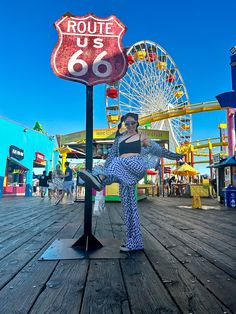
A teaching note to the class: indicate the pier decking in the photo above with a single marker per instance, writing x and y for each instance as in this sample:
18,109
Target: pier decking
188,266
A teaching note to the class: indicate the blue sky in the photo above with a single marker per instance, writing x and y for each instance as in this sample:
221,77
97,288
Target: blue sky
197,35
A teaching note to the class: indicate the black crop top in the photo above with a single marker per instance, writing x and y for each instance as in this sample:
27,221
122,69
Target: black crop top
130,147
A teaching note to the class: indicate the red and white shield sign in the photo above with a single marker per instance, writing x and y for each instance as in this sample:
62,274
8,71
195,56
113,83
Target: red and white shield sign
89,49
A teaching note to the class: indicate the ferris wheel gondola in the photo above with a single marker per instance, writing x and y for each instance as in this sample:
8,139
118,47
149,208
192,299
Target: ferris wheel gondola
152,83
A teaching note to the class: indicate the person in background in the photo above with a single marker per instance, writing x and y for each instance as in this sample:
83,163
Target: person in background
43,184
50,185
57,180
171,181
131,154
35,184
214,187
67,185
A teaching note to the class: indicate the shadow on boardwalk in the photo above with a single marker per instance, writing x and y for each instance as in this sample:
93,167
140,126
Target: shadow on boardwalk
188,266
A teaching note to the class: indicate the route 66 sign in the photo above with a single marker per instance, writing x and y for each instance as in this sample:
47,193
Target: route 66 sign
89,49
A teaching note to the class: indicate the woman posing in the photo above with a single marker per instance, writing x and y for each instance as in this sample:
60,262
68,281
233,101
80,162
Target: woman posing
131,154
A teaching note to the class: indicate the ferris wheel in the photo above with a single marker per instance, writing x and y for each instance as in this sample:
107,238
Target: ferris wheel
152,83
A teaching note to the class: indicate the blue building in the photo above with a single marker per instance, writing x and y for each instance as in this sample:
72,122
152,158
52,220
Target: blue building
21,151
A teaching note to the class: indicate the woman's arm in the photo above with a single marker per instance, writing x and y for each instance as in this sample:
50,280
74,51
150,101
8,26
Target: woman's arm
145,141
158,150
113,152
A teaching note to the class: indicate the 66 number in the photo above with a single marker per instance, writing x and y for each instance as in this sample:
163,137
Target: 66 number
84,66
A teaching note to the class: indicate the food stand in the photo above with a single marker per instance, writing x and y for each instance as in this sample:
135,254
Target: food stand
102,141
225,174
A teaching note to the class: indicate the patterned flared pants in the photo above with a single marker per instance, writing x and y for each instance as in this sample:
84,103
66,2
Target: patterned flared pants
127,172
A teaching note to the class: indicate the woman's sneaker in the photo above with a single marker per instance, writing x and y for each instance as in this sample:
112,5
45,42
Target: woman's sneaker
124,248
95,181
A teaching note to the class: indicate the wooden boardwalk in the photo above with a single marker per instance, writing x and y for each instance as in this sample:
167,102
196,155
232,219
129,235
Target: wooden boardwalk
188,266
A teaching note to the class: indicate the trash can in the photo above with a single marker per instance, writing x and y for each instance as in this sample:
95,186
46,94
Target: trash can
230,196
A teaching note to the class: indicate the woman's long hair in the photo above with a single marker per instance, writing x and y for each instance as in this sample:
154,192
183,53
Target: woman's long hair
123,118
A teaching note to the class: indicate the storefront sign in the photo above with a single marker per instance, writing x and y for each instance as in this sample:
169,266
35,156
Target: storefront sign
167,169
100,134
216,158
16,152
39,157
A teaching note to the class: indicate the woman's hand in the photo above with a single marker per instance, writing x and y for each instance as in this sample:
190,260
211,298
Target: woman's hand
145,141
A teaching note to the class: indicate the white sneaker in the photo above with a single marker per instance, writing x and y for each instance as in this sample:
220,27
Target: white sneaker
70,203
124,248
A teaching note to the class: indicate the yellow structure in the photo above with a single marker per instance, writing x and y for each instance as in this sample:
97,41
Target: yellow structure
161,65
200,190
185,170
140,55
64,150
222,126
101,138
179,111
179,93
109,135
113,118
196,202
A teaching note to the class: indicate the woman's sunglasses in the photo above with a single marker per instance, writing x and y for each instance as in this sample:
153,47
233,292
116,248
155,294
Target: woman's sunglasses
130,123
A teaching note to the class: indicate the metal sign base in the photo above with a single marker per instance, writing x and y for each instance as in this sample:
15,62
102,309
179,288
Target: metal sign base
87,242
62,249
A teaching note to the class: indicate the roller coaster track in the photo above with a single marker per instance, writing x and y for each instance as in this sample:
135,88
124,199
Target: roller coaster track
180,111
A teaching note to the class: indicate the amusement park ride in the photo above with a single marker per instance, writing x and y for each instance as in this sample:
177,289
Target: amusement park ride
154,88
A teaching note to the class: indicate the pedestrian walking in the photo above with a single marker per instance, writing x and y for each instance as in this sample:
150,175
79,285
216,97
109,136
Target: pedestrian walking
131,154
67,184
50,185
57,180
43,184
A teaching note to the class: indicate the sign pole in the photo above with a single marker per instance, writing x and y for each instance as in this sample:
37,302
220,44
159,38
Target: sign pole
88,242
92,55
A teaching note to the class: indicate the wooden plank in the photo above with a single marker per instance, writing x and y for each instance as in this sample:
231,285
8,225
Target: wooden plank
105,290
190,295
32,278
214,256
146,292
178,215
102,225
180,221
117,222
164,278
214,279
211,218
15,261
18,227
201,233
63,291
17,240
40,224
210,276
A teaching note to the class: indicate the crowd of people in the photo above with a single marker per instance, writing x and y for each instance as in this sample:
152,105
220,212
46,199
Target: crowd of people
56,184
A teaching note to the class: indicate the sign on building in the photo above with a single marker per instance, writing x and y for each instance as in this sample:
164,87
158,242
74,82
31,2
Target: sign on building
16,152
